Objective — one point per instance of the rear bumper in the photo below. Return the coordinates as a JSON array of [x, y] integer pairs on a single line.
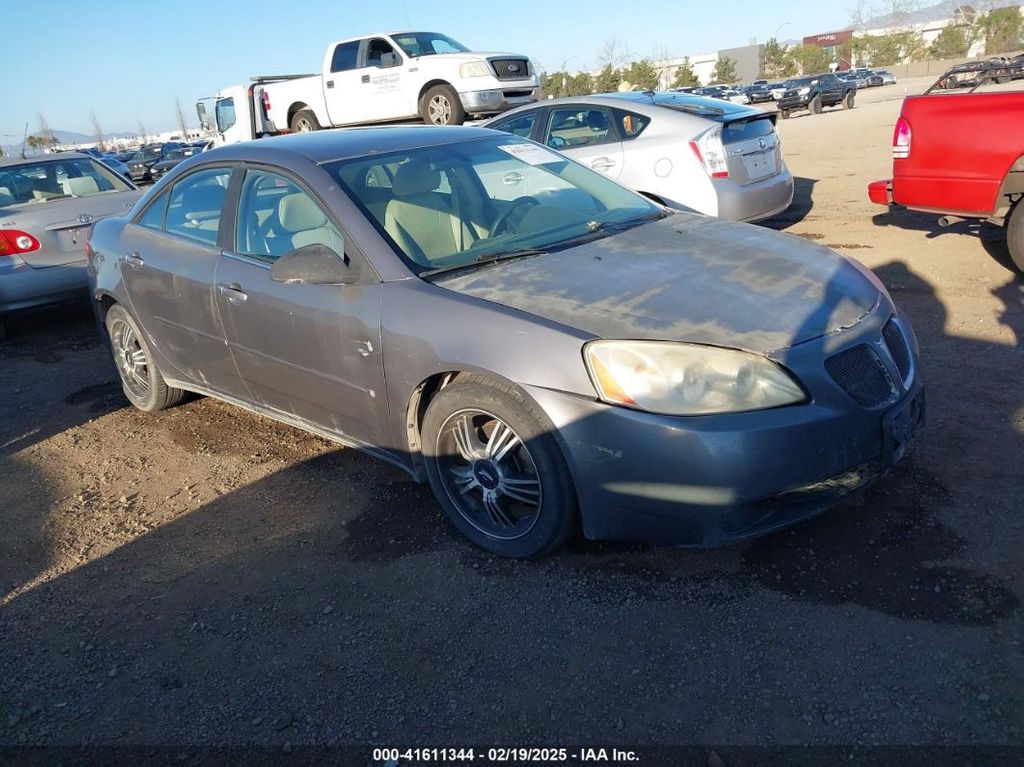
[[880, 192], [755, 201], [22, 287]]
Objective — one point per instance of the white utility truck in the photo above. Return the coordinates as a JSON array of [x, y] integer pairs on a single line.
[[373, 79]]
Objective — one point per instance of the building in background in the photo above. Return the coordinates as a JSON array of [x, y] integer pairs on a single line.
[[749, 61], [832, 43]]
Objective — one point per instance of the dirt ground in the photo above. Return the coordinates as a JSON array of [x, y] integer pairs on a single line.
[[204, 576]]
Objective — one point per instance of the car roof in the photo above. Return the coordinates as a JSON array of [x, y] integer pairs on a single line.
[[337, 144], [8, 162]]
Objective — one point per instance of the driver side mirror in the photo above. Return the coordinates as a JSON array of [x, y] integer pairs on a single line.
[[389, 59], [314, 264]]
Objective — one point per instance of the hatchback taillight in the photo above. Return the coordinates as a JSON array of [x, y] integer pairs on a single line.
[[710, 152], [14, 242], [901, 140]]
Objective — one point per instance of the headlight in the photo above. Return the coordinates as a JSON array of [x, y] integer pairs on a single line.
[[687, 379], [803, 91], [474, 69]]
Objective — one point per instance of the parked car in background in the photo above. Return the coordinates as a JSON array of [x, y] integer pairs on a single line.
[[815, 93], [711, 91], [47, 207], [961, 155], [174, 157], [874, 80], [145, 158], [888, 78], [735, 96], [550, 351], [715, 157], [125, 155], [758, 94], [777, 89], [109, 159]]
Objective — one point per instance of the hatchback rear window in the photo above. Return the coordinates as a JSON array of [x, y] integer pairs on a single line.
[[744, 130]]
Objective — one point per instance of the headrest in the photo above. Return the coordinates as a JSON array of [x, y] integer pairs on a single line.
[[80, 186], [415, 177], [298, 213], [597, 120]]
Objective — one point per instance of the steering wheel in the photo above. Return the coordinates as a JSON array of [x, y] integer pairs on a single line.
[[501, 222]]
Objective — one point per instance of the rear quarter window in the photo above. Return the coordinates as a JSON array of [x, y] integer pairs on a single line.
[[631, 124]]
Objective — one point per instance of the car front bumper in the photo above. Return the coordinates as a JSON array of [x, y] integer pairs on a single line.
[[497, 100], [23, 286], [794, 103], [754, 201], [712, 480]]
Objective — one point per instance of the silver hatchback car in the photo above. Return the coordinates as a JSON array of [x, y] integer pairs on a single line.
[[706, 154]]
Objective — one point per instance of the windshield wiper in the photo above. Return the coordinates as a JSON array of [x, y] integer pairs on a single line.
[[485, 259]]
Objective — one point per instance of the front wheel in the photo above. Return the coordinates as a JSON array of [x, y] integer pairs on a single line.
[[441, 106], [496, 469], [785, 114], [304, 121], [141, 381], [848, 100], [1015, 235]]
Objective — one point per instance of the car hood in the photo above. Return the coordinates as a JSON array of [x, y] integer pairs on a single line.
[[685, 278]]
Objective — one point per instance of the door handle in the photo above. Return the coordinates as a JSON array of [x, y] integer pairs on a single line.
[[602, 163], [330, 83], [134, 259], [233, 293], [366, 78]]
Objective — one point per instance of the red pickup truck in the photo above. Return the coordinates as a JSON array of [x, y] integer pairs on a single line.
[[961, 154]]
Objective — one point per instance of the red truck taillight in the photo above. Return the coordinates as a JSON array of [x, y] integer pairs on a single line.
[[901, 140]]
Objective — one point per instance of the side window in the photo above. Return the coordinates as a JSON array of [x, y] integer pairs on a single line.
[[195, 205], [345, 56], [153, 218], [520, 125], [224, 113], [577, 127], [377, 48], [275, 217], [630, 124]]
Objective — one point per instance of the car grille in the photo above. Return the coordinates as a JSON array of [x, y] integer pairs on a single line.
[[862, 375], [511, 69], [896, 343]]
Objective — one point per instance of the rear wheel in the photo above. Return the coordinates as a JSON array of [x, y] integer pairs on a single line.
[[496, 469], [785, 114], [141, 381], [848, 100], [1015, 235], [304, 121], [815, 105], [441, 106]]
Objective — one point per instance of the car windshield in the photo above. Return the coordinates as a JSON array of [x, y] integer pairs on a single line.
[[147, 153], [455, 205], [427, 44], [38, 182]]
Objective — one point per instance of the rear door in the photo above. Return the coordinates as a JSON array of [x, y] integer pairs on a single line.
[[58, 201], [168, 259], [752, 149], [587, 134]]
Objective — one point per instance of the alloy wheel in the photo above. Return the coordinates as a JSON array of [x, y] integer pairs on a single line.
[[440, 110], [130, 358], [489, 474]]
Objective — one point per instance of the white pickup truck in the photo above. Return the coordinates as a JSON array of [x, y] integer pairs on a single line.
[[376, 78]]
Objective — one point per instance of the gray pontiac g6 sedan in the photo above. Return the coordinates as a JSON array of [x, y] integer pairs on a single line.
[[549, 350]]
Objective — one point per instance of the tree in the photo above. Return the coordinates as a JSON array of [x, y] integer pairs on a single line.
[[554, 84], [607, 80], [142, 132], [643, 75], [581, 84], [97, 131], [724, 71], [685, 76], [612, 54], [1002, 30], [182, 123], [46, 137], [810, 59], [952, 42], [893, 48], [775, 60]]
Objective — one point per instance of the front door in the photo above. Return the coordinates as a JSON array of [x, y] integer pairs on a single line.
[[168, 259], [381, 74], [587, 134], [309, 352]]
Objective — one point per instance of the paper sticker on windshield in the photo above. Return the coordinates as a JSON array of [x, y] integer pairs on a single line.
[[530, 154]]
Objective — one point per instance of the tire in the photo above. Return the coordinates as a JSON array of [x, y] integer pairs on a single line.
[[1015, 235], [464, 469], [140, 380], [848, 100], [815, 106], [785, 114], [441, 106], [304, 121]]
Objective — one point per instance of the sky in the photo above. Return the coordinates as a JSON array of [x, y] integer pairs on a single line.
[[128, 61]]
